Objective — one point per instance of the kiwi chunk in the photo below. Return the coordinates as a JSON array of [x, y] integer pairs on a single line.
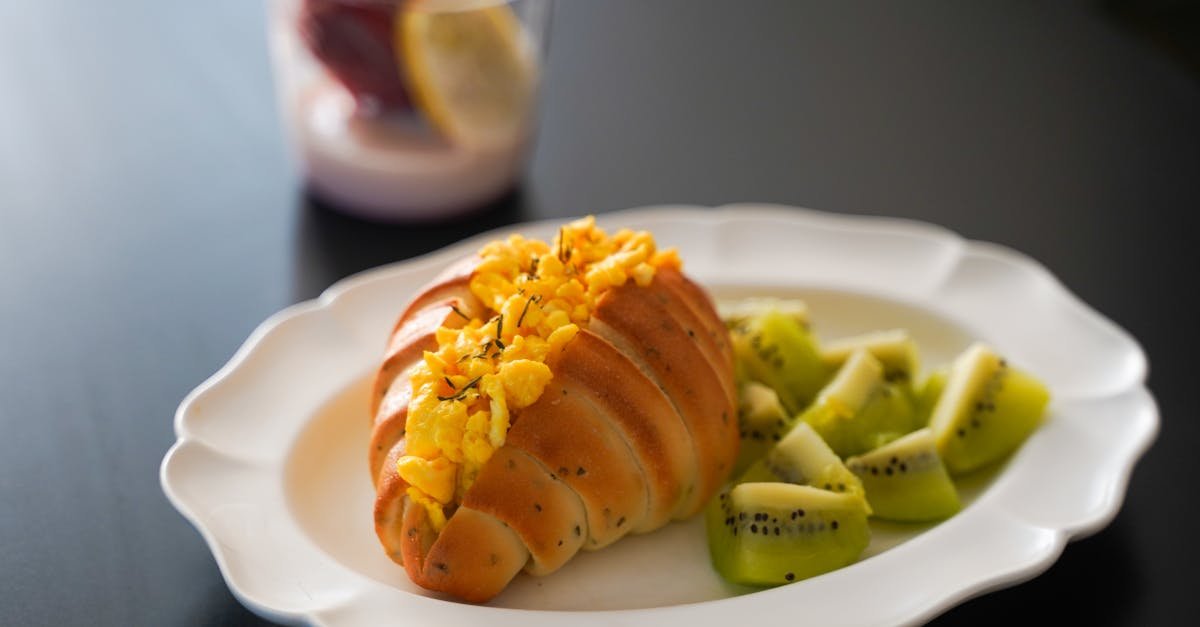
[[775, 349], [762, 422], [986, 410], [906, 480], [803, 458], [858, 410], [767, 534], [895, 349]]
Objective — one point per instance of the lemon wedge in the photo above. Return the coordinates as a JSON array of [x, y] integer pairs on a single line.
[[470, 66]]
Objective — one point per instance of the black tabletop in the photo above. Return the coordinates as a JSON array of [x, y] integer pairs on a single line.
[[150, 219]]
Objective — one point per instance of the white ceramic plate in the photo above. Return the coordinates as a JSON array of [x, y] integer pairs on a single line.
[[270, 464]]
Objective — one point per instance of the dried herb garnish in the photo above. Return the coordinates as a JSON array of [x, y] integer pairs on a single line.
[[532, 299], [449, 383], [564, 251], [499, 328], [458, 396], [455, 309], [533, 266]]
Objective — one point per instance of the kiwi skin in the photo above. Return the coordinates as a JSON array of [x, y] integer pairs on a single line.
[[767, 534], [906, 481]]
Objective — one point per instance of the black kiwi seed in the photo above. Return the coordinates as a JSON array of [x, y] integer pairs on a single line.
[[753, 528], [834, 525], [903, 467], [962, 433], [790, 576], [895, 461], [888, 471], [874, 470], [800, 512], [841, 487], [777, 531]]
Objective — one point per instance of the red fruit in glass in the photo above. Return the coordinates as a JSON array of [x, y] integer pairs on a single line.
[[354, 40]]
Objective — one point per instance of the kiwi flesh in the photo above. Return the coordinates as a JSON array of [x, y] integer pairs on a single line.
[[987, 409], [766, 534], [775, 349], [895, 349], [858, 410], [906, 481], [762, 422], [803, 458]]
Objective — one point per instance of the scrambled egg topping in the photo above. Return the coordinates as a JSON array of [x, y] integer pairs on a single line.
[[538, 296]]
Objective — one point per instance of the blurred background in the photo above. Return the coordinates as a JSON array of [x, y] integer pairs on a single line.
[[152, 213]]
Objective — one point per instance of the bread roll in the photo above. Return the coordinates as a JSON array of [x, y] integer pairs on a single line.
[[636, 428]]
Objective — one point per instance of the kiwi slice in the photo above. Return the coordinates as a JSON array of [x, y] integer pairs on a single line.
[[986, 410], [803, 458], [906, 481], [774, 348], [762, 422], [767, 534], [858, 410], [895, 349]]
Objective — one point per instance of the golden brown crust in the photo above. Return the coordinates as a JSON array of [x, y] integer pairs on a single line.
[[548, 515], [654, 432], [642, 401], [567, 434], [635, 321]]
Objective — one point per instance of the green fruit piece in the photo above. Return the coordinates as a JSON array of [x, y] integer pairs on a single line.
[[767, 534], [986, 411], [738, 311], [928, 393], [895, 349], [762, 422], [858, 410], [803, 458], [906, 481], [775, 349]]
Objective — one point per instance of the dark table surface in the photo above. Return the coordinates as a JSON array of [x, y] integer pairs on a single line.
[[149, 220]]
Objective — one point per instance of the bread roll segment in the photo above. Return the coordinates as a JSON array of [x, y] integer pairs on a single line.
[[637, 427]]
